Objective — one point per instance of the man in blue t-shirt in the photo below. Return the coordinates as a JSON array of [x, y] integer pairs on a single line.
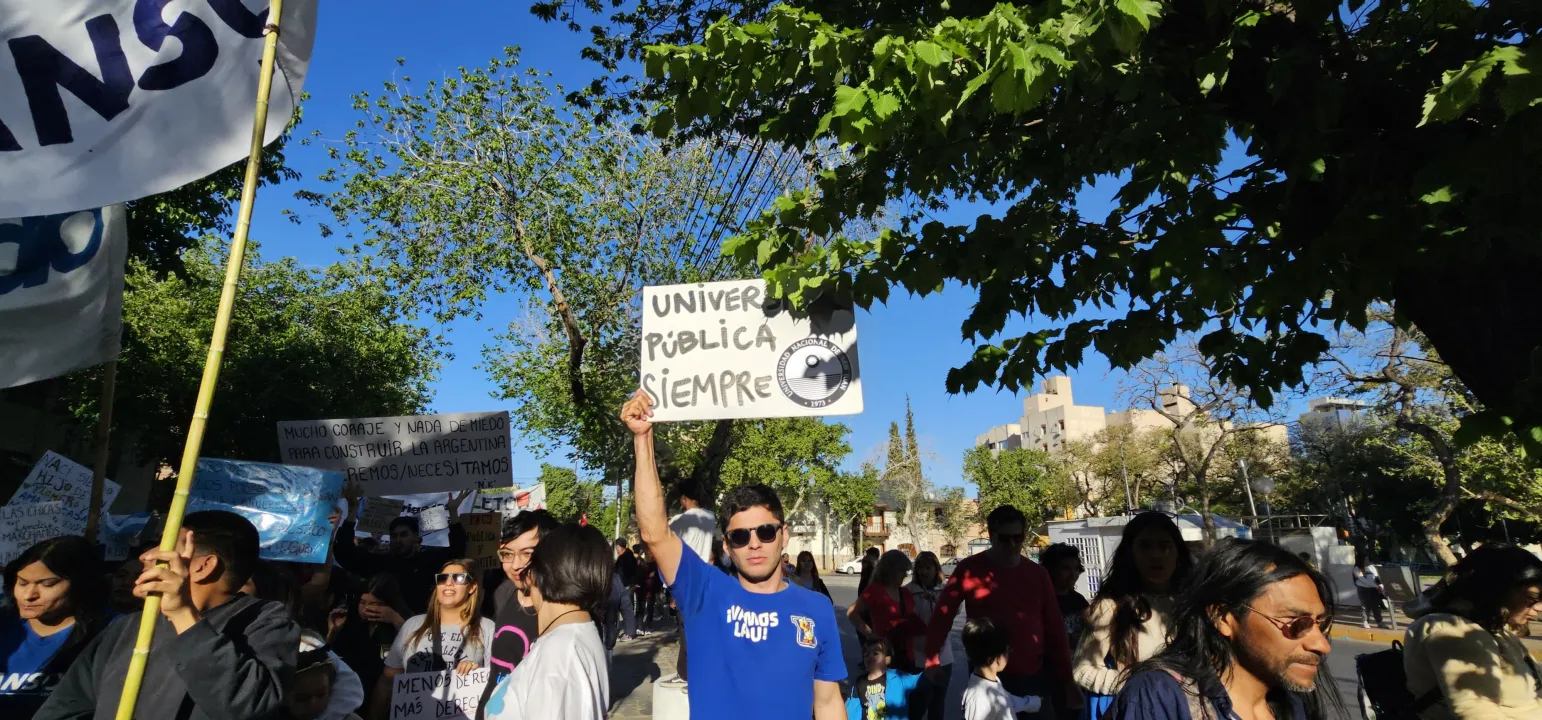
[[761, 647]]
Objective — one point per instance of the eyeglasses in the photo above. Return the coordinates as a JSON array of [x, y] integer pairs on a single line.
[[508, 556], [741, 536], [1297, 627], [454, 578], [1012, 538]]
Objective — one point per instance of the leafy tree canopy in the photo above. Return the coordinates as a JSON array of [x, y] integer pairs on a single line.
[[1026, 479], [303, 344], [1279, 168], [797, 457]]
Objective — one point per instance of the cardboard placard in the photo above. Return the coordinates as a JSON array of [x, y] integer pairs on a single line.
[[58, 478], [433, 519], [406, 455], [377, 514], [483, 532], [437, 695], [22, 526], [718, 350]]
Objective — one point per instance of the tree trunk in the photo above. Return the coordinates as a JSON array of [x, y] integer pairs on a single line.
[[1204, 509], [1451, 488], [1484, 320], [706, 473], [856, 537]]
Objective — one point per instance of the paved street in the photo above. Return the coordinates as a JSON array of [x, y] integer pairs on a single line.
[[638, 663]]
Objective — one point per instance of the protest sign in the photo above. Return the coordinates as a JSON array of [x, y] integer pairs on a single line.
[[61, 301], [483, 533], [118, 113], [121, 533], [57, 478], [288, 505], [22, 526], [720, 350], [443, 695], [377, 515], [405, 455], [434, 519], [508, 502]]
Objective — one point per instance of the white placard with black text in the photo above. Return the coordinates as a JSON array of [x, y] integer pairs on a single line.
[[405, 455], [719, 350]]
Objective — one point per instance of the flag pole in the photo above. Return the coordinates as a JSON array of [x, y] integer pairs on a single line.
[[103, 439], [211, 369]]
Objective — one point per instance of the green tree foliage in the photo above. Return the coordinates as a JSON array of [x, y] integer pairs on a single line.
[[850, 498], [957, 515], [482, 184], [1023, 478], [796, 457], [303, 344], [565, 497], [1267, 158]]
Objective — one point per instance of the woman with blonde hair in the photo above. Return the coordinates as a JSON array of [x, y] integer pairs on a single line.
[[449, 635]]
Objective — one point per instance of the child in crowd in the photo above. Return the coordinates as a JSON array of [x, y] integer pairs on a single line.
[[882, 693], [312, 691], [984, 698]]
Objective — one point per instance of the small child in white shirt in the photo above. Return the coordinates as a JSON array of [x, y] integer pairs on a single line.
[[984, 699]]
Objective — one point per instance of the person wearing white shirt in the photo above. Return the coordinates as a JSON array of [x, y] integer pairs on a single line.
[[697, 529], [984, 698], [565, 675], [1368, 587]]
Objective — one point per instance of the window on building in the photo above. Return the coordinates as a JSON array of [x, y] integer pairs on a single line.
[[949, 551]]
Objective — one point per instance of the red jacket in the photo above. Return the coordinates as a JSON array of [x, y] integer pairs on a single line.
[[1019, 599]]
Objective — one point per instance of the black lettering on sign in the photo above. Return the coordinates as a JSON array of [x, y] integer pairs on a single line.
[[199, 49], [241, 20], [43, 70]]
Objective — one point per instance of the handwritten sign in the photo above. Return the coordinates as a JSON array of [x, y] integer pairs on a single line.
[[378, 513], [288, 505], [56, 478], [22, 526], [483, 532], [404, 455], [437, 695], [720, 350], [434, 519], [508, 502]]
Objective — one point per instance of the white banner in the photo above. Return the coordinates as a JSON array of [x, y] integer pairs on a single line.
[[718, 350], [103, 101], [56, 478], [406, 455], [437, 695], [61, 291], [22, 526]]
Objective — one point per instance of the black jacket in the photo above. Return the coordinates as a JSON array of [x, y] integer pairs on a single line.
[[233, 665], [414, 572]]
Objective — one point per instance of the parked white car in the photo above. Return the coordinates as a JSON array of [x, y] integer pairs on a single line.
[[854, 567]]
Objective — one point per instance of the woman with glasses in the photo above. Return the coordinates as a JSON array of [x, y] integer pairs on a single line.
[[1464, 659], [1128, 620], [451, 635], [59, 595], [565, 676]]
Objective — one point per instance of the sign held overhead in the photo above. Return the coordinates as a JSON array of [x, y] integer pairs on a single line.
[[405, 455], [715, 351]]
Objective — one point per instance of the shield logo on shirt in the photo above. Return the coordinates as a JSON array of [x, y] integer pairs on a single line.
[[805, 630]]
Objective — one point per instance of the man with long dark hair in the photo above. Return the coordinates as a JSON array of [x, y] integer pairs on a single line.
[[1249, 640]]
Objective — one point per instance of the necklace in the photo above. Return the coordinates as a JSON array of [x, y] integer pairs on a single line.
[[542, 631]]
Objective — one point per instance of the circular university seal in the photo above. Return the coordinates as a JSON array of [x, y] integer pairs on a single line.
[[813, 372]]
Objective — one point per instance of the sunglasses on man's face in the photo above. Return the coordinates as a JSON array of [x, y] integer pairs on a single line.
[[1296, 628], [741, 536], [453, 578], [1013, 538]]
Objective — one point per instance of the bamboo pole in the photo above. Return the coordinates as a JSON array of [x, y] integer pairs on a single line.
[[211, 369], [103, 441]]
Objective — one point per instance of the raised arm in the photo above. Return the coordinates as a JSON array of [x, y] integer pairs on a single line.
[[652, 519]]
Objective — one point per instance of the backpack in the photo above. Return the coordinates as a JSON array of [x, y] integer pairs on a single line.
[[1384, 687]]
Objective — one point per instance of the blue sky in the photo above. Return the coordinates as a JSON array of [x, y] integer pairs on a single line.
[[907, 346]]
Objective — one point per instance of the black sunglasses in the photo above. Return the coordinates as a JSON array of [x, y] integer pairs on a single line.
[[741, 537], [1297, 627], [456, 578], [1009, 538]]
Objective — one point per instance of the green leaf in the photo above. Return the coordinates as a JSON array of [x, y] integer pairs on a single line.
[[1442, 195], [849, 100], [1141, 11], [1459, 89], [932, 54], [884, 105]]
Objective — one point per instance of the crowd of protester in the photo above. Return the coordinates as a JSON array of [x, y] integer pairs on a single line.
[[1239, 630]]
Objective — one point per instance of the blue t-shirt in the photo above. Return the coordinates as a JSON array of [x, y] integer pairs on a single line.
[[24, 651], [753, 655]]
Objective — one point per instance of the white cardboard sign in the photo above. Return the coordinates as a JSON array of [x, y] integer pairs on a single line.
[[444, 695], [405, 455], [377, 514], [719, 350], [58, 478], [22, 526], [434, 519]]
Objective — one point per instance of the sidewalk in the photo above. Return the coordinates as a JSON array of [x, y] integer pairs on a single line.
[[633, 668], [1346, 625]]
